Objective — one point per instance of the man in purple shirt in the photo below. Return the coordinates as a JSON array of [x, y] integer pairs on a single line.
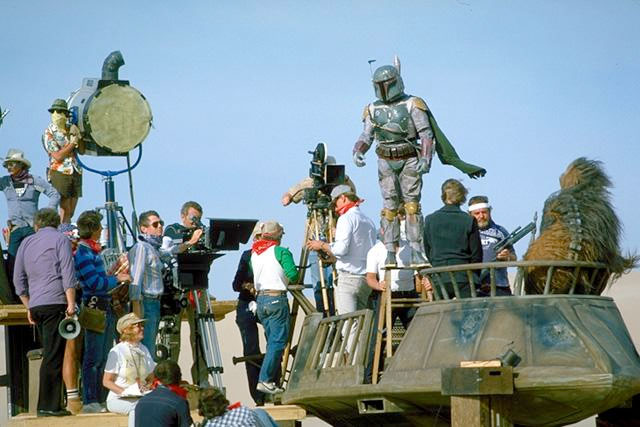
[[44, 278]]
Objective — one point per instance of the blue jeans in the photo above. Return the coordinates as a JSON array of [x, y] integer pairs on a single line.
[[273, 312], [96, 349], [248, 325], [151, 312]]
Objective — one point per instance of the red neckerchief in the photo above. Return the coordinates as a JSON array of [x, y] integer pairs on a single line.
[[260, 246], [343, 210], [180, 391], [234, 406], [92, 244]]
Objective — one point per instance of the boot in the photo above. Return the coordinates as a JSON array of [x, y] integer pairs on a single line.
[[390, 261], [418, 260]]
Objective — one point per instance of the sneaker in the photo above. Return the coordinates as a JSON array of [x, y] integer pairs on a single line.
[[74, 405], [93, 408], [270, 388]]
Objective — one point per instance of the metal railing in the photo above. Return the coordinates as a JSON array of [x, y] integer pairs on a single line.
[[582, 273], [341, 341]]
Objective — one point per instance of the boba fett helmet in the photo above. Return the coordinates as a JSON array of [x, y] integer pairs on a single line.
[[387, 83]]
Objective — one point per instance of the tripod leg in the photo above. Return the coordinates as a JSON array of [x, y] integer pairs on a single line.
[[323, 285], [209, 342]]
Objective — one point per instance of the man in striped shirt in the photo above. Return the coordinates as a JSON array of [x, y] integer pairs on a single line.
[[146, 286]]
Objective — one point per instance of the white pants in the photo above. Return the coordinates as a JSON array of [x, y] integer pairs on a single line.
[[124, 407], [352, 294]]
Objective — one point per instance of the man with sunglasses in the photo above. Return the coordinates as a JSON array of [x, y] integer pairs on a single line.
[[146, 261], [181, 237], [62, 141], [22, 191]]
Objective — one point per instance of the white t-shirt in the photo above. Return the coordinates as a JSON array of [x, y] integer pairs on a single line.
[[128, 362], [401, 280]]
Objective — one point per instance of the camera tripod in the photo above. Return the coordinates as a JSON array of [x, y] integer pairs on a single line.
[[193, 269]]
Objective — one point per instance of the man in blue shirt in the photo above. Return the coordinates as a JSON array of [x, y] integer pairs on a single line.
[[163, 407], [22, 191], [146, 275], [490, 234]]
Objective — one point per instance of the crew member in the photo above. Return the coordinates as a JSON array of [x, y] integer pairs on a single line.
[[96, 285], [190, 217], [402, 283], [45, 281], [490, 234], [273, 269], [146, 275], [405, 130], [22, 191], [295, 194], [62, 141], [216, 411], [355, 235], [246, 318], [451, 238], [164, 406]]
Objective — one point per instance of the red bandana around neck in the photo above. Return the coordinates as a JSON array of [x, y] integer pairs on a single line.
[[260, 246], [92, 244], [343, 210]]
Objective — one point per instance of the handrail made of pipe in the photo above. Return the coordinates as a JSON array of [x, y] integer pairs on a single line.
[[441, 293]]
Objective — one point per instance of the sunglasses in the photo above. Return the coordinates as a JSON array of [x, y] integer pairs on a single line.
[[157, 224], [66, 113], [9, 165]]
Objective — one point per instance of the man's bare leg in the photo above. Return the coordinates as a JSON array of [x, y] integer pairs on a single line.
[[67, 208], [70, 374]]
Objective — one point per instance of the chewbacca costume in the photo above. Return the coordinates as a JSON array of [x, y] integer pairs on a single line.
[[578, 224]]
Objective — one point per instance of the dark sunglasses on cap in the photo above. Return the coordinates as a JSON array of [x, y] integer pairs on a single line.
[[156, 224]]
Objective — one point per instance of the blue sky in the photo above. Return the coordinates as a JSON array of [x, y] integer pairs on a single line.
[[240, 91]]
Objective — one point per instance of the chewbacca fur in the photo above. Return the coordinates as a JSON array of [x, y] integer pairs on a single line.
[[579, 224]]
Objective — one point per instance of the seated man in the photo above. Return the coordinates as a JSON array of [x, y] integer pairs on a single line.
[[164, 406], [217, 412], [490, 234], [451, 238]]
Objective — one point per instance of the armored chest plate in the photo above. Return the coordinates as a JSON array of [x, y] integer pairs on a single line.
[[392, 122]]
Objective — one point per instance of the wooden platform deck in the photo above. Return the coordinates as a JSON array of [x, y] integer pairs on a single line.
[[16, 314], [285, 415]]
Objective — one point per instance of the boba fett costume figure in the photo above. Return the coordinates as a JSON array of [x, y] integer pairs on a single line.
[[407, 136]]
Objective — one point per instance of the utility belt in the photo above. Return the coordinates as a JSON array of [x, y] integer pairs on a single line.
[[271, 293], [394, 151]]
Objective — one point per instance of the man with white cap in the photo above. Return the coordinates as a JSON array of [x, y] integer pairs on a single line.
[[273, 269], [246, 317], [355, 235], [490, 234], [22, 191]]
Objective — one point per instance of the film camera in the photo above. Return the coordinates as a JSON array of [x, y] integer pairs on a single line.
[[325, 175]]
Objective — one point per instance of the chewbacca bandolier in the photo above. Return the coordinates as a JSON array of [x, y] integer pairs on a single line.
[[578, 224]]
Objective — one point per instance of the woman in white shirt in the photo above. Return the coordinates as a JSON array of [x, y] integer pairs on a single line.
[[128, 365]]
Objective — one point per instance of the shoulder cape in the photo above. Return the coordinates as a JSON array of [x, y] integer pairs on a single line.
[[447, 154]]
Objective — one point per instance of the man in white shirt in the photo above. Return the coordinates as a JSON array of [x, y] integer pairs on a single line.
[[402, 281], [355, 235]]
